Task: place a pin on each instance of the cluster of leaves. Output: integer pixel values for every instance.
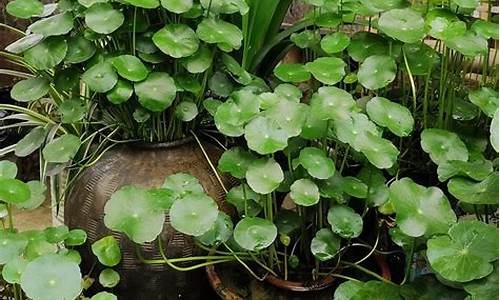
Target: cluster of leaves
(45, 263)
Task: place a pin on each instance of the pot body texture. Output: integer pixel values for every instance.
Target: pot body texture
(144, 166)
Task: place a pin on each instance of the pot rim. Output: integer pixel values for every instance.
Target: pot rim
(162, 145)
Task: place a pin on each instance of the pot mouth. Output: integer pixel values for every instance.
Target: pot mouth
(309, 286)
(162, 145)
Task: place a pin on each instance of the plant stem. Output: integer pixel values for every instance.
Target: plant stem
(371, 273)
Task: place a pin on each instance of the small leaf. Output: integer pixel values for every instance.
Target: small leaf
(220, 84)
(225, 6)
(79, 50)
(199, 62)
(486, 29)
(317, 164)
(177, 6)
(306, 39)
(327, 70)
(221, 231)
(37, 195)
(347, 290)
(76, 237)
(109, 278)
(377, 72)
(345, 221)
(468, 191)
(157, 92)
(61, 149)
(443, 146)
(24, 9)
(235, 161)
(13, 191)
(366, 44)
(486, 99)
(57, 234)
(325, 245)
(378, 192)
(264, 175)
(13, 270)
(397, 118)
(121, 92)
(8, 169)
(103, 18)
(107, 251)
(404, 24)
(217, 31)
(304, 192)
(130, 67)
(72, 110)
(101, 77)
(292, 73)
(186, 111)
(30, 89)
(289, 116)
(104, 296)
(335, 42)
(176, 40)
(371, 288)
(255, 234)
(11, 246)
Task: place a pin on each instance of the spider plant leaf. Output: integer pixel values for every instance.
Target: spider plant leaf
(317, 163)
(486, 99)
(148, 4)
(264, 175)
(186, 111)
(325, 245)
(13, 191)
(176, 40)
(79, 50)
(177, 6)
(494, 135)
(200, 61)
(47, 54)
(8, 169)
(100, 77)
(121, 92)
(421, 58)
(61, 149)
(366, 44)
(24, 9)
(420, 211)
(466, 3)
(51, 278)
(345, 221)
(327, 70)
(292, 73)
(485, 29)
(304, 192)
(478, 169)
(254, 234)
(466, 253)
(13, 270)
(264, 136)
(404, 24)
(30, 89)
(156, 92)
(217, 31)
(241, 195)
(442, 145)
(373, 178)
(130, 67)
(332, 103)
(103, 18)
(30, 142)
(225, 6)
(289, 116)
(335, 42)
(287, 221)
(76, 237)
(109, 278)
(56, 25)
(235, 161)
(397, 118)
(468, 191)
(24, 43)
(56, 234)
(306, 39)
(485, 288)
(72, 111)
(469, 44)
(221, 231)
(377, 72)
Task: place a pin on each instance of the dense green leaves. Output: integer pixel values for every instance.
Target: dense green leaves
(486, 288)
(394, 116)
(442, 145)
(255, 234)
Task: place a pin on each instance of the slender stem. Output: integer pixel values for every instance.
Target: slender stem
(412, 82)
(371, 273)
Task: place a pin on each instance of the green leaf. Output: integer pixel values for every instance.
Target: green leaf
(443, 146)
(222, 33)
(325, 245)
(335, 42)
(466, 253)
(264, 136)
(327, 70)
(397, 118)
(107, 251)
(238, 72)
(428, 287)
(220, 84)
(104, 296)
(133, 211)
(13, 191)
(30, 89)
(72, 110)
(345, 221)
(61, 149)
(89, 3)
(194, 214)
(24, 9)
(51, 278)
(39, 248)
(13, 270)
(292, 72)
(130, 67)
(264, 175)
(378, 289)
(443, 24)
(157, 92)
(466, 3)
(469, 44)
(255, 234)
(37, 195)
(121, 92)
(354, 187)
(377, 71)
(404, 24)
(327, 98)
(11, 246)
(304, 192)
(57, 234)
(211, 105)
(24, 43)
(200, 61)
(186, 111)
(103, 18)
(477, 169)
(468, 191)
(177, 6)
(486, 288)
(182, 184)
(76, 237)
(8, 169)
(378, 192)
(494, 135)
(79, 50)
(317, 163)
(237, 195)
(485, 29)
(328, 19)
(347, 290)
(420, 57)
(149, 4)
(109, 278)
(235, 161)
(221, 231)
(306, 39)
(176, 40)
(56, 25)
(486, 99)
(289, 116)
(287, 221)
(46, 54)
(225, 6)
(101, 77)
(366, 44)
(420, 211)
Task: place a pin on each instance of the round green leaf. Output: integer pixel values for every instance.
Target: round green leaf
(317, 164)
(477, 169)
(51, 278)
(101, 77)
(287, 221)
(335, 42)
(220, 84)
(442, 145)
(149, 4)
(469, 44)
(494, 135)
(217, 31)
(104, 296)
(328, 70)
(30, 89)
(331, 103)
(466, 3)
(377, 72)
(8, 169)
(235, 161)
(61, 149)
(366, 44)
(186, 111)
(374, 289)
(11, 246)
(420, 57)
(176, 40)
(242, 195)
(304, 192)
(255, 234)
(354, 187)
(177, 6)
(13, 190)
(79, 50)
(109, 278)
(76, 237)
(468, 191)
(13, 270)
(347, 290)
(378, 192)
(72, 110)
(264, 136)
(24, 9)
(466, 253)
(131, 210)
(194, 214)
(404, 24)
(442, 24)
(103, 18)
(264, 175)
(38, 248)
(289, 116)
(325, 245)
(56, 25)
(157, 92)
(130, 67)
(486, 288)
(486, 29)
(37, 195)
(107, 251)
(306, 39)
(121, 92)
(221, 231)
(56, 234)
(420, 211)
(182, 184)
(292, 72)
(199, 62)
(486, 99)
(345, 221)
(397, 118)
(24, 43)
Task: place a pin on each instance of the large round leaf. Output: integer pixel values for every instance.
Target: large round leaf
(61, 149)
(485, 288)
(103, 18)
(177, 6)
(150, 4)
(121, 92)
(130, 67)
(264, 175)
(378, 192)
(397, 118)
(255, 234)
(11, 246)
(56, 25)
(404, 24)
(24, 9)
(200, 61)
(107, 251)
(132, 210)
(194, 214)
(486, 99)
(157, 92)
(30, 89)
(51, 278)
(217, 31)
(377, 72)
(442, 145)
(442, 24)
(335, 42)
(476, 169)
(469, 44)
(47, 54)
(466, 253)
(292, 72)
(79, 50)
(468, 191)
(221, 231)
(420, 57)
(317, 164)
(264, 136)
(345, 221)
(325, 245)
(101, 77)
(304, 192)
(420, 211)
(366, 44)
(176, 40)
(328, 70)
(289, 116)
(236, 161)
(331, 103)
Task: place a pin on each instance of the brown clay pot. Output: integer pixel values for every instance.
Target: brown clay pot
(145, 166)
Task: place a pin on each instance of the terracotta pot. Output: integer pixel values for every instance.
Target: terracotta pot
(145, 166)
